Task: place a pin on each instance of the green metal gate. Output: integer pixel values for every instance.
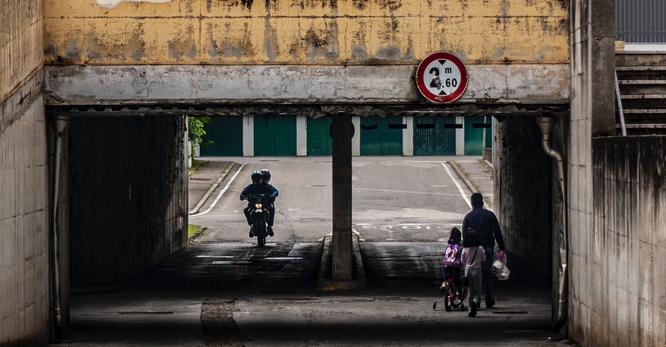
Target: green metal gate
(224, 137)
(319, 137)
(274, 135)
(434, 136)
(474, 140)
(381, 135)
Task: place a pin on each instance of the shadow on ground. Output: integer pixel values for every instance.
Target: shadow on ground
(233, 294)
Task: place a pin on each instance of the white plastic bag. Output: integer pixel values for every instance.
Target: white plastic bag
(500, 269)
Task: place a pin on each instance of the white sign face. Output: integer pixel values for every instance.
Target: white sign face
(442, 77)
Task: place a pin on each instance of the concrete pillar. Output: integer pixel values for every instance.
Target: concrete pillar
(188, 145)
(356, 140)
(408, 136)
(601, 45)
(301, 136)
(248, 136)
(342, 197)
(460, 136)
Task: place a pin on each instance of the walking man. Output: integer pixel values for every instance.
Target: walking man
(483, 224)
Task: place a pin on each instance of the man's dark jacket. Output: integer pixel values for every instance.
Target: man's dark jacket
(487, 226)
(255, 189)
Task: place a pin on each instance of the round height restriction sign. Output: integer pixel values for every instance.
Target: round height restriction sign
(441, 77)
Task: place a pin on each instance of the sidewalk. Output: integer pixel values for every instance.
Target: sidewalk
(477, 174)
(204, 178)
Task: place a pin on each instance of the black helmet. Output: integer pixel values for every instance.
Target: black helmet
(266, 175)
(256, 177)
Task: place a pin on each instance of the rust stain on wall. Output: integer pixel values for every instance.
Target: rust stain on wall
(183, 44)
(306, 31)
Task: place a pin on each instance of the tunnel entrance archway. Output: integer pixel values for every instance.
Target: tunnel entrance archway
(338, 112)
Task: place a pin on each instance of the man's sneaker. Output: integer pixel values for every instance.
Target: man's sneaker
(490, 303)
(270, 231)
(472, 313)
(251, 233)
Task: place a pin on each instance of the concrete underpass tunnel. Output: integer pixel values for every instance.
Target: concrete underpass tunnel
(123, 199)
(526, 180)
(120, 190)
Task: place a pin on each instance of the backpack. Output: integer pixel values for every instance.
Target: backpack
(452, 255)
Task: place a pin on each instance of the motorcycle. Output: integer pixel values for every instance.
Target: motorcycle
(259, 217)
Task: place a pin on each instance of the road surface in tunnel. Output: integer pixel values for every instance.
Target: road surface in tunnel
(394, 199)
(223, 291)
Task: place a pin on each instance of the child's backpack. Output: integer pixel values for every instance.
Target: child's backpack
(452, 255)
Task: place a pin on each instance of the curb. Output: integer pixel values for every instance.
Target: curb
(324, 281)
(210, 191)
(190, 239)
(471, 186)
(459, 171)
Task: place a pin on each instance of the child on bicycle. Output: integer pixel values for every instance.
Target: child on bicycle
(452, 263)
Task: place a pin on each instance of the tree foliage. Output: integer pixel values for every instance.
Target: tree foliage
(197, 129)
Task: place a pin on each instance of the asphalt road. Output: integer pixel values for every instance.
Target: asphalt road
(394, 199)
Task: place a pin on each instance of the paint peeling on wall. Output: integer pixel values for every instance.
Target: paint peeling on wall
(304, 31)
(114, 3)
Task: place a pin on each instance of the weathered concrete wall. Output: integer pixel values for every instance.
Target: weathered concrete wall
(624, 267)
(523, 193)
(529, 84)
(304, 32)
(128, 196)
(592, 112)
(24, 265)
(24, 207)
(21, 42)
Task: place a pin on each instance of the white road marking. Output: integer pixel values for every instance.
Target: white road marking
(283, 258)
(231, 262)
(462, 192)
(219, 195)
(358, 234)
(403, 191)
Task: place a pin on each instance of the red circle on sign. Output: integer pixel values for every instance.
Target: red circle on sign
(441, 99)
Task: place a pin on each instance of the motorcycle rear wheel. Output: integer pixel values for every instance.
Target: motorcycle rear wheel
(261, 241)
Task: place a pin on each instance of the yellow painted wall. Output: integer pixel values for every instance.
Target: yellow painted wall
(21, 41)
(304, 31)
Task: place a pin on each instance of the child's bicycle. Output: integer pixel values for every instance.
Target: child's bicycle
(454, 298)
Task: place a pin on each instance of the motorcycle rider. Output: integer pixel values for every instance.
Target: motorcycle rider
(266, 176)
(255, 188)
